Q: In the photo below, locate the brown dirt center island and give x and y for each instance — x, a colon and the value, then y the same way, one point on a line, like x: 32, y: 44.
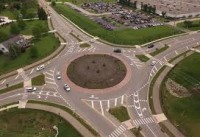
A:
x: 96, y: 71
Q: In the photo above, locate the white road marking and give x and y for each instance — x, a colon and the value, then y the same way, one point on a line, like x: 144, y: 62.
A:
x: 102, y: 111
x: 3, y: 81
x: 108, y: 101
x: 92, y: 102
x: 17, y: 76
x: 31, y: 71
x: 122, y: 100
x: 115, y: 102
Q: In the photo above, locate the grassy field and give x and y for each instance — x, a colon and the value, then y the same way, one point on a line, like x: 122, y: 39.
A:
x: 184, y: 112
x: 195, y: 26
x: 39, y: 80
x: 45, y: 46
x: 142, y: 58
x: 120, y: 113
x: 125, y: 36
x: 29, y: 123
x: 8, y: 14
x: 10, y: 88
x: 158, y: 51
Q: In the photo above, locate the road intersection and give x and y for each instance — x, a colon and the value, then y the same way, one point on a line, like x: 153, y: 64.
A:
x: 93, y: 106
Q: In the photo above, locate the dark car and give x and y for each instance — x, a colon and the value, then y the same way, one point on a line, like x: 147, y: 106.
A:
x: 150, y: 46
x: 117, y: 50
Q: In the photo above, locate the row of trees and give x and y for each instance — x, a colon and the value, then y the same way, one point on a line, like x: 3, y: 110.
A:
x: 189, y: 24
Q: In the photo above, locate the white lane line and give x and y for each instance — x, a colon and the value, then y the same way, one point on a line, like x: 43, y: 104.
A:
x: 122, y: 100
x: 151, y: 131
x: 48, y: 73
x: 92, y: 103
x: 102, y: 112
x: 115, y: 102
x: 31, y: 71
x: 49, y: 82
x: 50, y: 78
x: 3, y: 81
x: 108, y: 101
x: 17, y: 76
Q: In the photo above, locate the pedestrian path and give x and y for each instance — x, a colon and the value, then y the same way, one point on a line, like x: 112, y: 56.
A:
x: 118, y: 131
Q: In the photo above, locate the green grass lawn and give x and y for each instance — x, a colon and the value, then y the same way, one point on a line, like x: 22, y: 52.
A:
x: 158, y: 51
x: 8, y: 14
x: 142, y: 58
x: 10, y: 88
x: 79, y: 2
x: 125, y: 36
x: 187, y: 71
x: 29, y: 123
x: 184, y: 112
x: 196, y: 25
x: 45, y: 46
x: 120, y: 113
x: 84, y: 45
x: 38, y: 81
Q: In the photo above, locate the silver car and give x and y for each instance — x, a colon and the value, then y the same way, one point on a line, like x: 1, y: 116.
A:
x: 66, y: 87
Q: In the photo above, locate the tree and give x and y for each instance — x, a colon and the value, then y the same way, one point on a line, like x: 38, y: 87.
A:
x: 188, y: 24
x: 42, y: 14
x: 33, y: 52
x: 14, y: 29
x: 53, y: 3
x: 38, y: 30
x: 14, y: 51
x: 163, y: 14
x: 3, y: 36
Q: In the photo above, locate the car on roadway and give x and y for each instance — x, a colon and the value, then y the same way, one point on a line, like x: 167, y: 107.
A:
x: 150, y: 46
x: 40, y: 67
x: 66, y: 87
x: 31, y: 89
x: 153, y: 63
x: 58, y: 76
x: 117, y: 50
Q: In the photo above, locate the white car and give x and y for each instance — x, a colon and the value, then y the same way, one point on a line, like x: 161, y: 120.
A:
x: 40, y: 67
x: 66, y: 87
x: 31, y: 89
x: 58, y: 76
x: 153, y: 63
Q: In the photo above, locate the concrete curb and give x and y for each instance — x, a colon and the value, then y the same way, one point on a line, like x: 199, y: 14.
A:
x: 76, y: 124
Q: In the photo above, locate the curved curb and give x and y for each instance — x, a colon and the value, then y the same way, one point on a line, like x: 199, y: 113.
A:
x: 76, y: 124
x: 97, y: 91
x: 156, y: 94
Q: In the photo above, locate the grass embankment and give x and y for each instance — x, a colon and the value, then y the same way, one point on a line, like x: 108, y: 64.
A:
x: 29, y: 123
x: 125, y: 36
x: 184, y: 112
x: 158, y: 51
x: 142, y: 58
x: 120, y: 113
x: 14, y: 87
x: 195, y: 25
x: 83, y: 122
x: 38, y: 81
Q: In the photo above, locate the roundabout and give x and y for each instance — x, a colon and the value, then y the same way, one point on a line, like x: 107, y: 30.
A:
x: 96, y: 71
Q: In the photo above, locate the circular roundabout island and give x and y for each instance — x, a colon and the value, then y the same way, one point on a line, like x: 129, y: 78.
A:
x: 96, y: 71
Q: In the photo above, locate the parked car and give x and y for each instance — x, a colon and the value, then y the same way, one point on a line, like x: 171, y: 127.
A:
x: 150, y: 46
x: 117, y: 50
x: 31, y: 89
x: 58, y: 76
x: 153, y: 63
x: 66, y: 88
x: 40, y: 67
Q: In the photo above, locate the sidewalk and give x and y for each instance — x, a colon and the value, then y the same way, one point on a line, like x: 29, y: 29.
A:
x: 156, y: 97
x: 75, y: 123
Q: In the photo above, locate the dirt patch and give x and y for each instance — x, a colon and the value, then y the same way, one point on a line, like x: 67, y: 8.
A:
x: 176, y: 89
x: 96, y: 71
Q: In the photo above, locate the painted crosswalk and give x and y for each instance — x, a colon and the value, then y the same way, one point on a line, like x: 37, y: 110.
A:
x: 118, y: 131
x: 49, y: 77
x: 143, y: 121
x: 22, y: 73
x: 76, y: 49
x: 134, y: 60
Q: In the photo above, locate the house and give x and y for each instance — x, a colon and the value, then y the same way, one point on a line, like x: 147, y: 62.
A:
x: 18, y: 40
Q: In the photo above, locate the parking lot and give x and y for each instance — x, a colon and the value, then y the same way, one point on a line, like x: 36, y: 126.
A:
x: 120, y: 18
x: 174, y: 8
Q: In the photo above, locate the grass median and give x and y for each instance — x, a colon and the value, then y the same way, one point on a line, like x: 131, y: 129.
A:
x: 158, y: 51
x: 125, y: 36
x: 142, y: 58
x: 14, y: 87
x: 39, y: 80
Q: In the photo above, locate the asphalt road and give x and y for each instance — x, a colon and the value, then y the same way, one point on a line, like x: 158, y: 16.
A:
x: 92, y: 106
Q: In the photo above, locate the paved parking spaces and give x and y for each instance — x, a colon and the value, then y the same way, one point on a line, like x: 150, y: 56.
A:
x: 134, y: 61
x: 118, y: 131
x: 105, y: 105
